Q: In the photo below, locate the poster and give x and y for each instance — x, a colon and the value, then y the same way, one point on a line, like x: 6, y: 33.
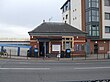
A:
x: 56, y: 47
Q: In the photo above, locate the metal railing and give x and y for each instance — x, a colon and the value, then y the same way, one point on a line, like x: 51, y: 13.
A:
x: 58, y: 57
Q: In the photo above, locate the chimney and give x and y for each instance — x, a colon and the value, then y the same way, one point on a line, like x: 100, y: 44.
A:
x: 43, y: 21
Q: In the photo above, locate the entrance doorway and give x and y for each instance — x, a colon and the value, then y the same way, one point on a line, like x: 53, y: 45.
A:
x: 95, y: 48
x: 43, y: 48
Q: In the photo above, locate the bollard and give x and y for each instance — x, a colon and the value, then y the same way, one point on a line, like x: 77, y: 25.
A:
x: 43, y: 57
x: 58, y: 56
x: 72, y: 56
x: 10, y: 53
x: 108, y: 56
x: 7, y: 55
x: 85, y: 56
x: 27, y: 56
x: 97, y: 56
x: 104, y: 55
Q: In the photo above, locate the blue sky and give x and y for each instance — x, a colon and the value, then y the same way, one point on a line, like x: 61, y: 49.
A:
x: 17, y: 17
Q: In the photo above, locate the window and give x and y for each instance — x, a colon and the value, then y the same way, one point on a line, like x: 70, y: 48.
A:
x: 63, y: 18
x: 66, y: 16
x: 95, y: 3
x: 95, y: 15
x: 73, y: 18
x: 107, y: 16
x: 94, y: 33
x: 107, y: 2
x: 93, y: 30
x: 79, y: 47
x: 67, y: 43
x: 89, y: 3
x: 66, y: 7
x: 107, y: 29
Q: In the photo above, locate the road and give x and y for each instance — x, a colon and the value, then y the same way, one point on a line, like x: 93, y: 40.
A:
x: 32, y: 71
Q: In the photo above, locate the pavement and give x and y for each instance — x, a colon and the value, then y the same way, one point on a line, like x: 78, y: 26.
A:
x: 12, y: 70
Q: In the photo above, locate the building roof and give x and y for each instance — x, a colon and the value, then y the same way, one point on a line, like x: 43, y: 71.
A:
x: 65, y: 3
x: 53, y: 28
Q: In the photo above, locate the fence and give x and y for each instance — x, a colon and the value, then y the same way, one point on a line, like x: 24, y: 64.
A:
x: 12, y: 53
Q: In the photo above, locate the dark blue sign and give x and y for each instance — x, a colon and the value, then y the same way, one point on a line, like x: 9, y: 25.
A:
x: 68, y: 51
x: 35, y: 50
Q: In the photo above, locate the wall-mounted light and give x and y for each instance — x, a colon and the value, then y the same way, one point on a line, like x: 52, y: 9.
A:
x: 104, y: 42
x: 96, y: 42
x: 31, y: 36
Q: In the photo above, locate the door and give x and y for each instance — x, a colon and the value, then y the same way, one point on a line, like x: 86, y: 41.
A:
x: 95, y: 48
x: 47, y: 47
x: 44, y: 48
x: 87, y: 48
x: 41, y: 49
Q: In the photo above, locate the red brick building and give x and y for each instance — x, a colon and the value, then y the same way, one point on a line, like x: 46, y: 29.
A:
x: 53, y: 38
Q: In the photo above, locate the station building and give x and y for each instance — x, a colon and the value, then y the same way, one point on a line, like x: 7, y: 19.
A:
x: 53, y: 37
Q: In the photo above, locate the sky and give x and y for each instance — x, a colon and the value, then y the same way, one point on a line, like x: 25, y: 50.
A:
x: 18, y: 17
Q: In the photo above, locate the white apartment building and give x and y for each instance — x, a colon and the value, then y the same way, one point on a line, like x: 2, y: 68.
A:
x: 93, y: 17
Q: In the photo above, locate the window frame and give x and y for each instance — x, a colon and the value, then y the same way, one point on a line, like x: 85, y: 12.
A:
x: 107, y: 17
x: 66, y: 40
x: 108, y: 29
x: 106, y: 2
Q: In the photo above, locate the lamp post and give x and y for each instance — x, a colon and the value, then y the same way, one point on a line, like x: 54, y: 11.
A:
x: 96, y: 49
x: 104, y: 49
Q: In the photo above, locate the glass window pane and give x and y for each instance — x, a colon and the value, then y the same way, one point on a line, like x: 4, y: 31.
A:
x: 97, y: 27
x: 94, y: 33
x: 67, y: 45
x: 95, y: 4
x: 89, y: 19
x: 82, y: 47
x: 107, y: 29
x: 89, y: 33
x: 97, y: 33
x: 107, y: 16
x: 97, y: 18
x: 89, y: 13
x: 71, y: 44
x: 89, y: 4
x: 107, y: 2
x: 89, y: 27
x: 93, y: 27
x: 63, y: 45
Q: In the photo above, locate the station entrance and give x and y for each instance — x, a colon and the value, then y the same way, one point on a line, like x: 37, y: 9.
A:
x: 43, y: 48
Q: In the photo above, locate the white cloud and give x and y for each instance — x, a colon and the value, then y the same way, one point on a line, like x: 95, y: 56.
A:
x: 17, y: 17
x: 12, y: 31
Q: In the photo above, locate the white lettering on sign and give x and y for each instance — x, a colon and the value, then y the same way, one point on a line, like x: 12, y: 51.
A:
x: 101, y: 48
x: 56, y: 47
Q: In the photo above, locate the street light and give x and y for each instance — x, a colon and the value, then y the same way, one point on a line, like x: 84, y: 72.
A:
x: 96, y: 49
x: 104, y: 48
x: 96, y: 42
